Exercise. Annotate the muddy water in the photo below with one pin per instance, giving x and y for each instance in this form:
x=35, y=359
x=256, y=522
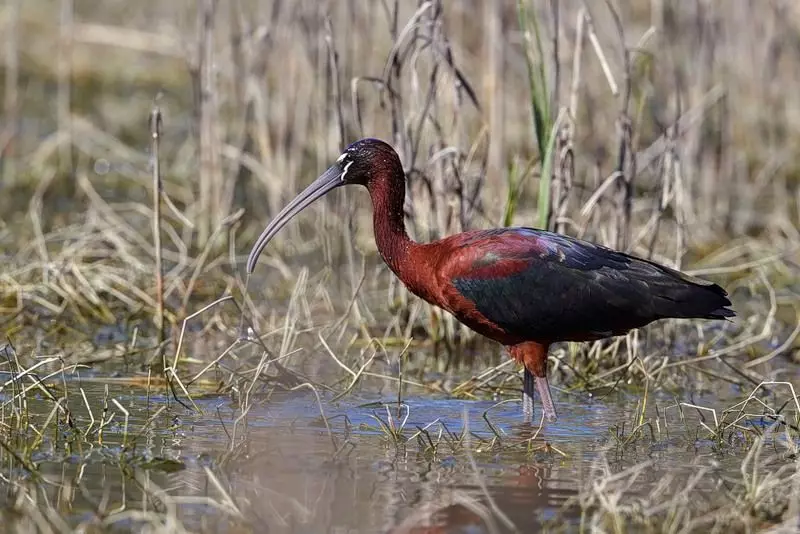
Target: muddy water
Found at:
x=289, y=472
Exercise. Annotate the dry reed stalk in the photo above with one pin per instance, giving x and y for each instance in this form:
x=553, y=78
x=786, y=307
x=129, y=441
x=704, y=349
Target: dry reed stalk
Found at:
x=207, y=99
x=156, y=123
x=64, y=94
x=11, y=93
x=625, y=166
x=555, y=88
x=494, y=56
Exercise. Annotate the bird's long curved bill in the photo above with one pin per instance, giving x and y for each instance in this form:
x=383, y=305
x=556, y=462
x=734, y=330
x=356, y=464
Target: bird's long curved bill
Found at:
x=329, y=180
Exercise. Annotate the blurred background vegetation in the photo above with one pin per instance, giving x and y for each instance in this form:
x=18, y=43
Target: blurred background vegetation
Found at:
x=663, y=128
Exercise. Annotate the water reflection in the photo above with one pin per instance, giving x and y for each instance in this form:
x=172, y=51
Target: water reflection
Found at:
x=295, y=481
x=280, y=469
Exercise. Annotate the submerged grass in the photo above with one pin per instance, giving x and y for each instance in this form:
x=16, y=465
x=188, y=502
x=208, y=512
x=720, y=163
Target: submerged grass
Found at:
x=745, y=477
x=651, y=152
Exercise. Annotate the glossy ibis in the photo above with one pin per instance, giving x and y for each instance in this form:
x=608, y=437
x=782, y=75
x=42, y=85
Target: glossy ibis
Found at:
x=522, y=287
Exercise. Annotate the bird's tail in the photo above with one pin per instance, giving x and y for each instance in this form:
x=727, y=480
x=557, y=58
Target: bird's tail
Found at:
x=688, y=297
x=714, y=298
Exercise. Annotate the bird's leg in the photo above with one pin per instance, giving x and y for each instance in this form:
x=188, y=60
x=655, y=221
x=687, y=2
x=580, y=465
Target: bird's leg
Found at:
x=527, y=397
x=548, y=408
x=533, y=357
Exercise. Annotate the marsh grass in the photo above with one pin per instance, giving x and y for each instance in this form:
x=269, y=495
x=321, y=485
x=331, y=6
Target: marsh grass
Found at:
x=761, y=495
x=46, y=410
x=659, y=148
x=48, y=417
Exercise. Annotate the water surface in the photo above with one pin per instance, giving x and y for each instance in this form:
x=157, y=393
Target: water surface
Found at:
x=280, y=468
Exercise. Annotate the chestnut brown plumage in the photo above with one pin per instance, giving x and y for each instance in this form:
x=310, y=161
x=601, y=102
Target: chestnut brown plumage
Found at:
x=522, y=287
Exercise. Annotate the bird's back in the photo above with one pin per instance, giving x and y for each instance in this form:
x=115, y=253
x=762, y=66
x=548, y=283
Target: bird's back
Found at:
x=535, y=285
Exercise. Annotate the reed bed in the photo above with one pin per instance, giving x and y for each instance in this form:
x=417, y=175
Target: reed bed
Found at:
x=658, y=128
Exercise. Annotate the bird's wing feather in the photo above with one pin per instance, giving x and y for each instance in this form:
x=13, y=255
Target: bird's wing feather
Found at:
x=542, y=285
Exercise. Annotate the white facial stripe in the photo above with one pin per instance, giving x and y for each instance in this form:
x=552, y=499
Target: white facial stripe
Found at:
x=346, y=168
x=340, y=158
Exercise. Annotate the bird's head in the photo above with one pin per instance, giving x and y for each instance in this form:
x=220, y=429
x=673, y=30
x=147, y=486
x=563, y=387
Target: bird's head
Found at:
x=364, y=163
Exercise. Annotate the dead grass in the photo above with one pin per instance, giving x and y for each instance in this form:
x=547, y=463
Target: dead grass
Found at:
x=759, y=496
x=745, y=477
x=662, y=129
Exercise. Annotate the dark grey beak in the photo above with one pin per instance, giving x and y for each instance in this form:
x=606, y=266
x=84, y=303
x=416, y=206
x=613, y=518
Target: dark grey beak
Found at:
x=328, y=181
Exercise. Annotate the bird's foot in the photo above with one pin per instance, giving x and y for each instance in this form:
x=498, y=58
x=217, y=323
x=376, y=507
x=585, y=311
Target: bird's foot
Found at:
x=531, y=384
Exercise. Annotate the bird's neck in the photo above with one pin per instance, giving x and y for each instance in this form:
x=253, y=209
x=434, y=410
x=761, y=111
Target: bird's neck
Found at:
x=394, y=245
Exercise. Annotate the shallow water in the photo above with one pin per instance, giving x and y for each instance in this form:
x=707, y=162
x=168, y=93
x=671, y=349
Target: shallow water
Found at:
x=288, y=472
